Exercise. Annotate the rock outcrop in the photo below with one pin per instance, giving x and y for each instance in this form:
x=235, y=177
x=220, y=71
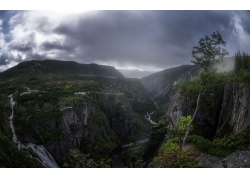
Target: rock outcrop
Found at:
x=238, y=159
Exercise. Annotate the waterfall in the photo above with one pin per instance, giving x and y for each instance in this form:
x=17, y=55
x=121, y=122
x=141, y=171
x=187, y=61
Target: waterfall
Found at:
x=218, y=127
x=44, y=156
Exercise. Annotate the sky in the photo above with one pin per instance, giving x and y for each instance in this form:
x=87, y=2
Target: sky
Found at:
x=150, y=40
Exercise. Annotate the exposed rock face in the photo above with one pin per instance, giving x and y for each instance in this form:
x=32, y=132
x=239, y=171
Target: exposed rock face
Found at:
x=206, y=119
x=118, y=111
x=234, y=160
x=80, y=128
x=95, y=125
x=229, y=113
x=237, y=159
x=160, y=84
x=235, y=109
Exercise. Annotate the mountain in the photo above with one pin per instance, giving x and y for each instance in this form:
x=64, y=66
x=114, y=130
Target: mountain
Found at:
x=160, y=84
x=55, y=67
x=134, y=73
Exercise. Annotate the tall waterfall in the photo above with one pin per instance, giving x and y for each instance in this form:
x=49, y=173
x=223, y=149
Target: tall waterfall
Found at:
x=44, y=156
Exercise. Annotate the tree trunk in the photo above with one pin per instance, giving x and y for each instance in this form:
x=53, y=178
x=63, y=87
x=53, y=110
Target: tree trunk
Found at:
x=189, y=124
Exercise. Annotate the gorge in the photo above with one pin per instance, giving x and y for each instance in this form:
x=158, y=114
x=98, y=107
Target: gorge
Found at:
x=61, y=119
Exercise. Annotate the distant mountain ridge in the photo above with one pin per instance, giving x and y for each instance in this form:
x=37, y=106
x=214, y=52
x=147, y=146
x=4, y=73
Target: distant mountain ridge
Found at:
x=134, y=73
x=160, y=84
x=44, y=67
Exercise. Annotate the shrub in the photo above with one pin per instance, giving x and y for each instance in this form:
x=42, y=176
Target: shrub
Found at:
x=174, y=159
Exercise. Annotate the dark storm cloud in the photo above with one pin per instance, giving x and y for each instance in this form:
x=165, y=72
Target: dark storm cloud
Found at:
x=153, y=39
x=3, y=58
x=22, y=48
x=47, y=46
x=159, y=38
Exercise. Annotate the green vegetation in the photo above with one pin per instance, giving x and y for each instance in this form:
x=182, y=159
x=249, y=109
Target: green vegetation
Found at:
x=157, y=136
x=42, y=94
x=174, y=159
x=224, y=146
x=170, y=145
x=242, y=62
x=12, y=157
x=80, y=160
x=159, y=115
x=132, y=156
x=209, y=50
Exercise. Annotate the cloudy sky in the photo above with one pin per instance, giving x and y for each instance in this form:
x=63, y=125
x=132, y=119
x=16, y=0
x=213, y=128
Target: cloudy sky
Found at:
x=145, y=40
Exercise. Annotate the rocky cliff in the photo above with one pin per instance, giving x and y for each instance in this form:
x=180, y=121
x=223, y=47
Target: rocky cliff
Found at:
x=117, y=109
x=83, y=126
x=95, y=125
x=220, y=113
x=206, y=119
x=234, y=115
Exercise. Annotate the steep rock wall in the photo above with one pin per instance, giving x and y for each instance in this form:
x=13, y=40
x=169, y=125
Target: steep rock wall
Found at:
x=229, y=112
x=206, y=120
x=118, y=111
x=234, y=116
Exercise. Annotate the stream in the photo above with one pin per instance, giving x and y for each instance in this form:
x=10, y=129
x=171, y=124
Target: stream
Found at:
x=42, y=153
x=154, y=102
x=148, y=117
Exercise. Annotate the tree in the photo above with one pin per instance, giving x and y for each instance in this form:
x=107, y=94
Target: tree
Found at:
x=180, y=127
x=208, y=50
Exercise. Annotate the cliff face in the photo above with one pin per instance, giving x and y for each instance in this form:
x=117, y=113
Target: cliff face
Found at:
x=95, y=125
x=118, y=111
x=219, y=114
x=159, y=85
x=234, y=116
x=206, y=119
x=83, y=127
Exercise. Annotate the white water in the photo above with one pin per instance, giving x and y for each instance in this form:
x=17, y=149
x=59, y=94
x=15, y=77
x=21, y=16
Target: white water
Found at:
x=219, y=122
x=136, y=143
x=44, y=156
x=154, y=102
x=148, y=117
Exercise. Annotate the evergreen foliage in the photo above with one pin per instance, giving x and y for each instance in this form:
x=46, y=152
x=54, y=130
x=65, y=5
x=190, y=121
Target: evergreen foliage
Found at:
x=209, y=50
x=242, y=62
